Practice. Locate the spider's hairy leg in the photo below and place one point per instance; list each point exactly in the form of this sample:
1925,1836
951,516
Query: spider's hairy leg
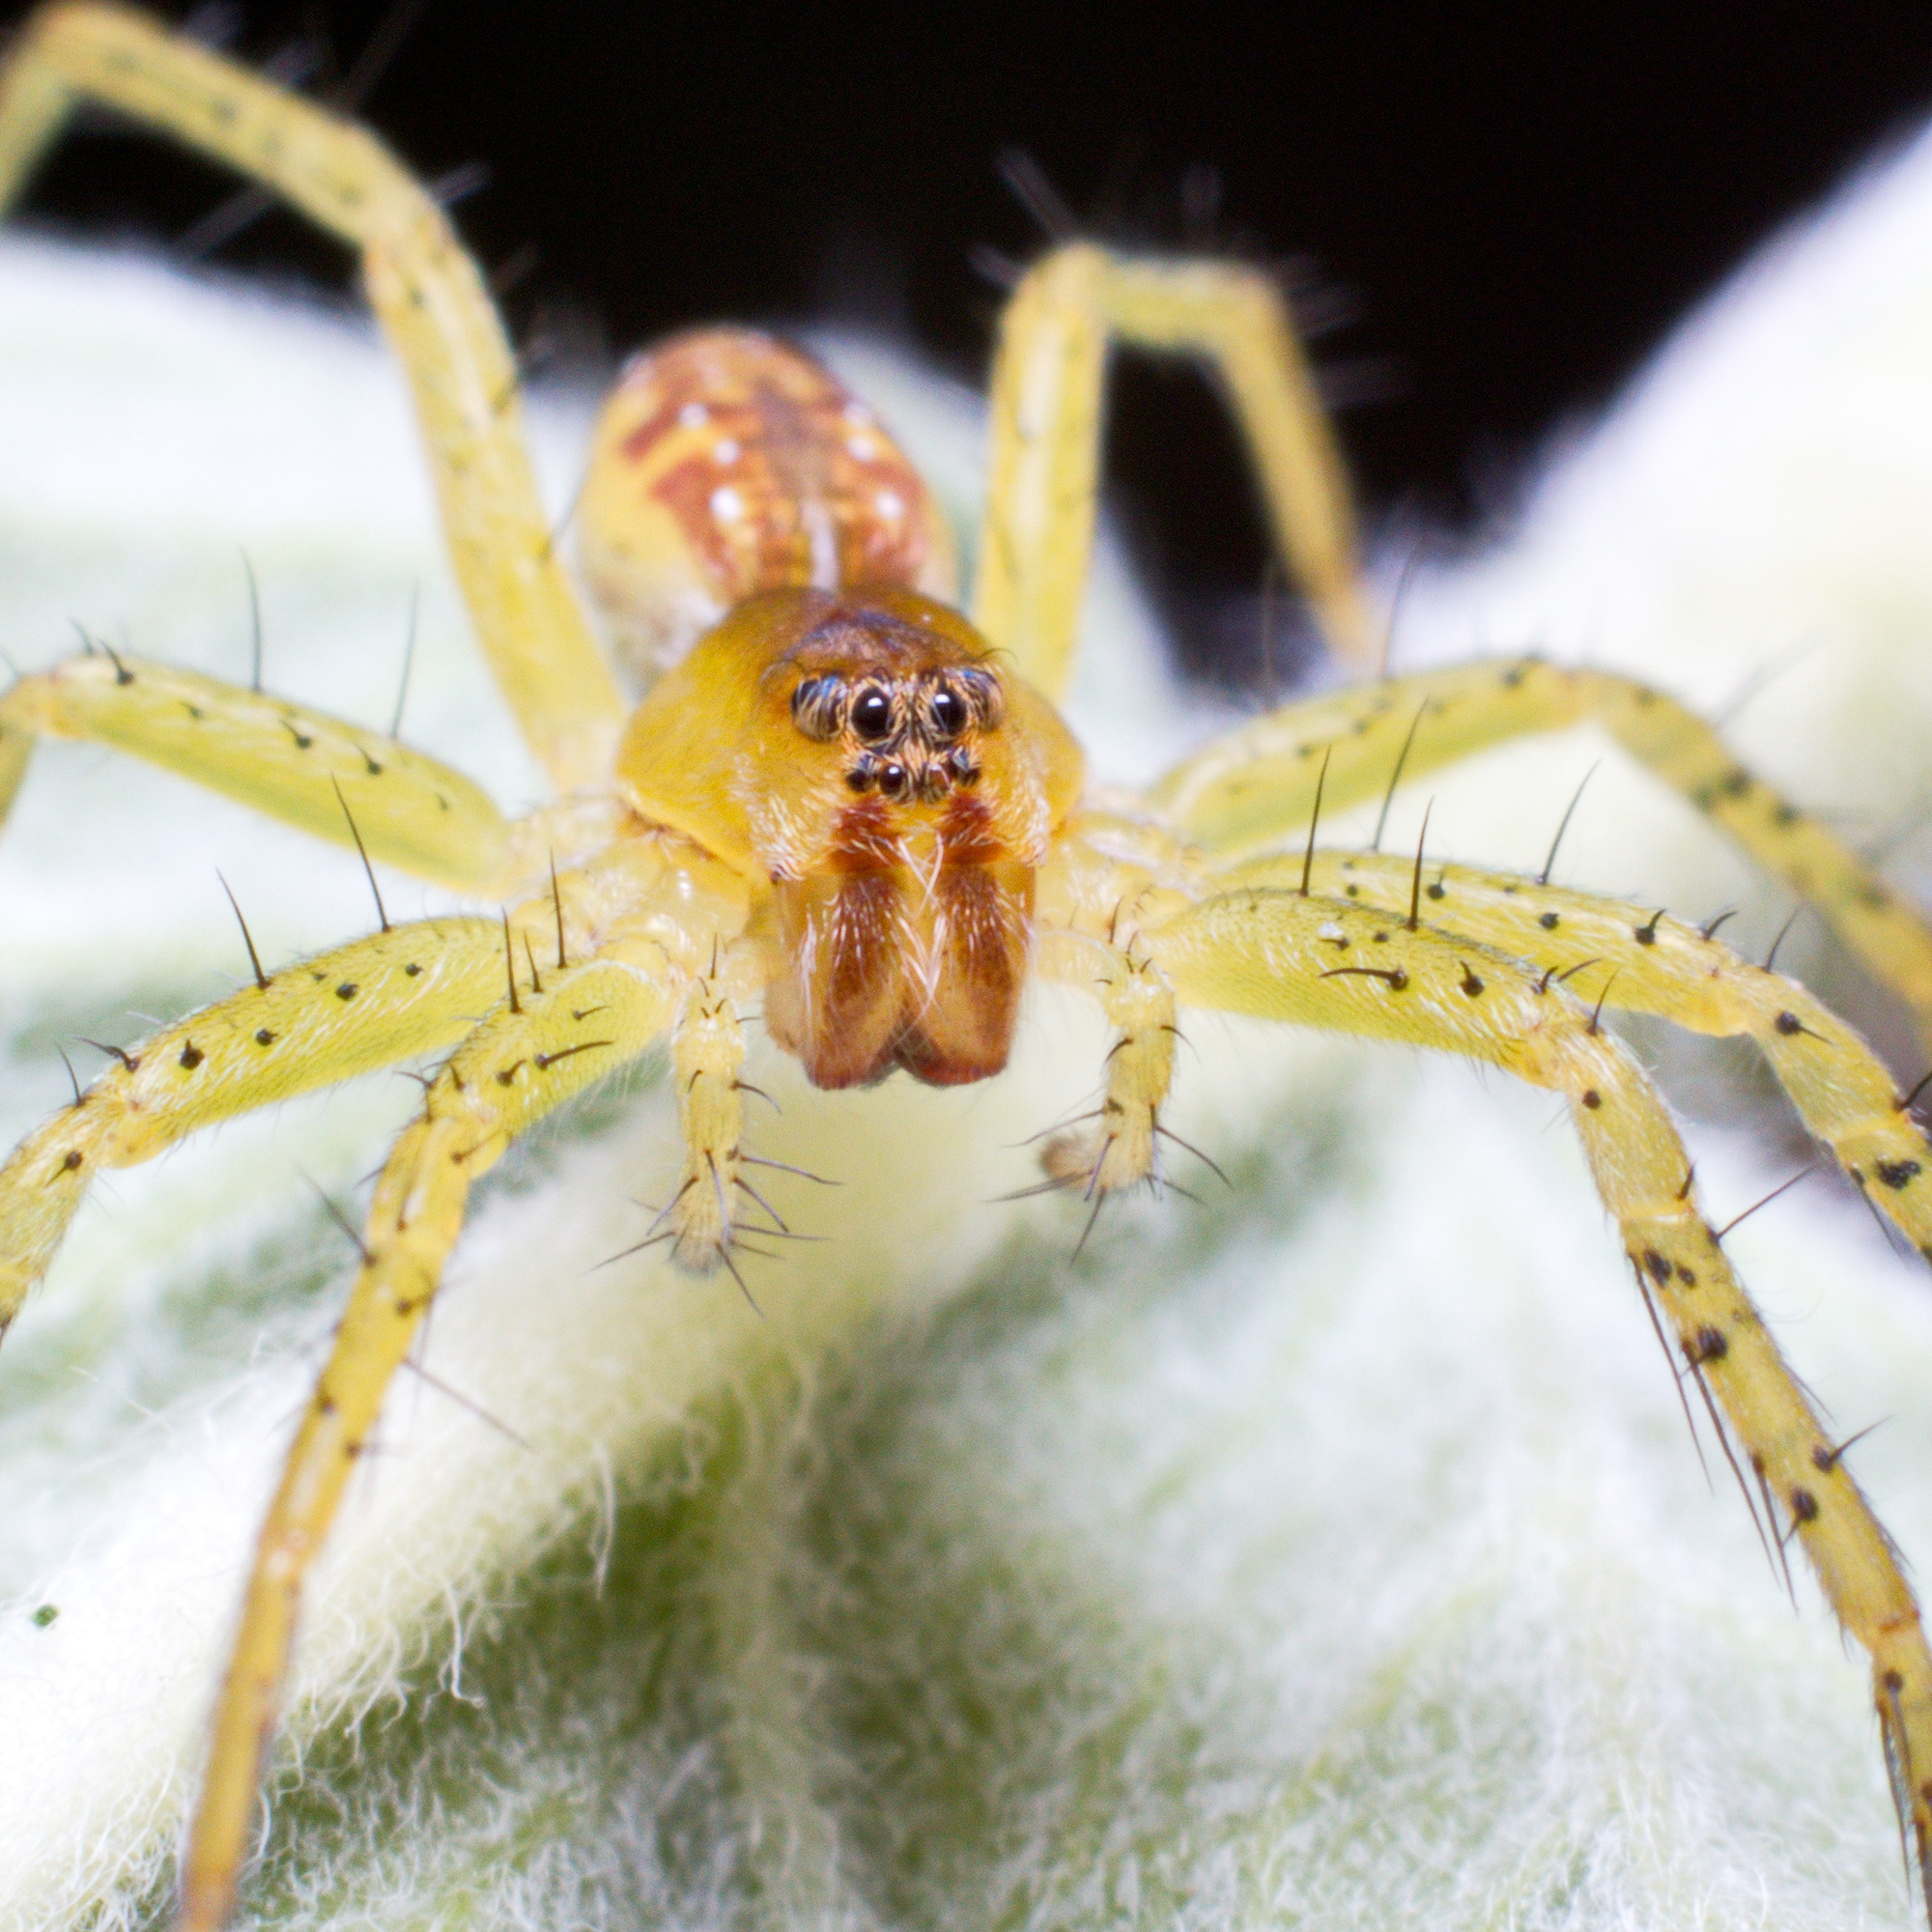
368,1004
1256,786
519,1064
1331,963
429,298
301,766
1046,399
707,1054
1120,1150
1636,960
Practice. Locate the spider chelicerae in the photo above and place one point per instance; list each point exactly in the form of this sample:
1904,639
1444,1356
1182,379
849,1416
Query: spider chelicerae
841,798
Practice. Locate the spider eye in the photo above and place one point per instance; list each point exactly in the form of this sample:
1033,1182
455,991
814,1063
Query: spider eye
894,780
815,705
948,712
872,713
984,696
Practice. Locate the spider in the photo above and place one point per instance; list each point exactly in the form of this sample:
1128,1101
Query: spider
843,798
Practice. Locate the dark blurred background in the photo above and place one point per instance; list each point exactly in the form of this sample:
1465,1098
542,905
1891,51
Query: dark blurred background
1491,213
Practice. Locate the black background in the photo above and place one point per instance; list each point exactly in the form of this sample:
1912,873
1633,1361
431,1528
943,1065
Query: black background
1506,208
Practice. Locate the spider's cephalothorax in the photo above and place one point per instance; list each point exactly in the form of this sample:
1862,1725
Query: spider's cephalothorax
847,801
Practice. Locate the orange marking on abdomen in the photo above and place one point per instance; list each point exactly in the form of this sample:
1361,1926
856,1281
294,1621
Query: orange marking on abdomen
773,470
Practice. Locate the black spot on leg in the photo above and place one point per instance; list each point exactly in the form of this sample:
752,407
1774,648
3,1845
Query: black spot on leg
1707,1345
1548,922
1896,1173
1824,1457
1657,1265
1592,1098
1436,891
1471,986
1788,1023
1685,1275
1514,676
1803,1504
265,1038
347,990
413,969
71,1160
191,1057
1784,815
1736,783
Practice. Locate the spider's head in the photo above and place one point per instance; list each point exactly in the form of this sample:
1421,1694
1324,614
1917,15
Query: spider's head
865,758
849,731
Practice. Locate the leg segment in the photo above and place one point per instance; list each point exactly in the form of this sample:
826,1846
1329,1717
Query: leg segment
1047,380
1331,963
707,1053
525,1060
431,304
1122,1151
1254,787
361,1007
1638,960
301,766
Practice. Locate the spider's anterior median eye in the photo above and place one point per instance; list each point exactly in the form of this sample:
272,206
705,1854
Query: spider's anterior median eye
871,713
894,780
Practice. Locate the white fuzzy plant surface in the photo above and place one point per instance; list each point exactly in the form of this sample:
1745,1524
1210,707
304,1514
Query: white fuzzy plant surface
1330,1554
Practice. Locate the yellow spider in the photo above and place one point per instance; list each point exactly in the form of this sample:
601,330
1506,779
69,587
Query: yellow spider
841,800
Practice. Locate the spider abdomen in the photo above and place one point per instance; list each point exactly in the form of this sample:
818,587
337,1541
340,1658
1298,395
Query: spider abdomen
727,463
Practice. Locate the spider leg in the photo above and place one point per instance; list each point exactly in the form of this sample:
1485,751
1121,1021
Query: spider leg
1046,400
427,293
295,764
1274,953
526,1059
1119,1150
707,1052
1256,786
365,1005
1638,960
